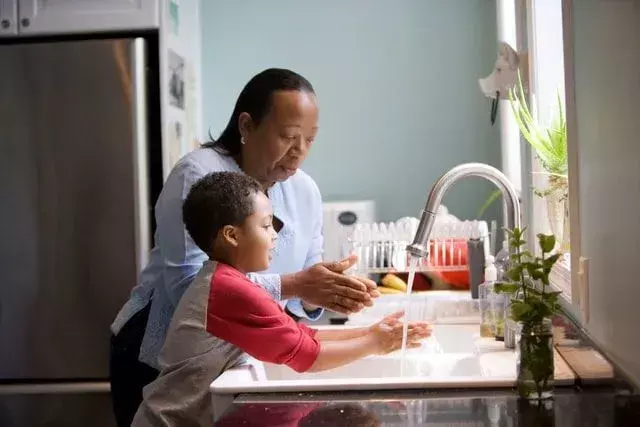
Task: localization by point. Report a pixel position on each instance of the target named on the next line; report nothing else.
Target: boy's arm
(246, 316)
(340, 347)
(341, 352)
(340, 334)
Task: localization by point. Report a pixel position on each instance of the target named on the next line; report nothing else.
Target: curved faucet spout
(419, 247)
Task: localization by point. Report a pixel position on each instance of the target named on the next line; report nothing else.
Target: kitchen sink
(454, 357)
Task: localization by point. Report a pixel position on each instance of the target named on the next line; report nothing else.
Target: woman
(271, 129)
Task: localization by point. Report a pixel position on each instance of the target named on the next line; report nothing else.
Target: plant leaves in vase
(532, 306)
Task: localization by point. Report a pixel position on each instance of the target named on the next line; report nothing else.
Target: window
(545, 34)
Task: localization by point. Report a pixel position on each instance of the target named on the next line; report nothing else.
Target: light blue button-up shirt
(175, 259)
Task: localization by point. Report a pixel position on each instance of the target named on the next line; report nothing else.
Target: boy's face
(256, 237)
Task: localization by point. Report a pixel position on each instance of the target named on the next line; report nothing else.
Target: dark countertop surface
(570, 407)
(601, 397)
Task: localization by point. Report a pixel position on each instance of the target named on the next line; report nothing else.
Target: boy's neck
(225, 258)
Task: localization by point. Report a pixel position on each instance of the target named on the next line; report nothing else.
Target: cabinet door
(43, 17)
(8, 18)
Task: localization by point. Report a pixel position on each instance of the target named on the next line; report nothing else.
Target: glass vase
(534, 355)
(557, 200)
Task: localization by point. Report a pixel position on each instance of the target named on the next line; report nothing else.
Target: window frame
(563, 277)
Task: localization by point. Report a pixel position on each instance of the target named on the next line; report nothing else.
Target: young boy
(224, 315)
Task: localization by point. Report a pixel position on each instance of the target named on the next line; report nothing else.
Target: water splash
(413, 265)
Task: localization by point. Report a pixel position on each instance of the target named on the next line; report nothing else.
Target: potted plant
(550, 145)
(532, 307)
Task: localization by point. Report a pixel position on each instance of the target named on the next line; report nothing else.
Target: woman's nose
(300, 147)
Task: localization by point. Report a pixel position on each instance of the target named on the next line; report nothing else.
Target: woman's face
(276, 148)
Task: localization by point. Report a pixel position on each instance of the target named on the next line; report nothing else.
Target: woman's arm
(298, 306)
(325, 285)
(182, 259)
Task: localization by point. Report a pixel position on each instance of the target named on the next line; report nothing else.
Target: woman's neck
(251, 172)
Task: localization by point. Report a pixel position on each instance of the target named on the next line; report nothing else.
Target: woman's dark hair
(216, 200)
(255, 99)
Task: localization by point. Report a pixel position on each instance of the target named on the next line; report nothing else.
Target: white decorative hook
(502, 78)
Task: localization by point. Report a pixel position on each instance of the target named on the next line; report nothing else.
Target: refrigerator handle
(141, 149)
(56, 388)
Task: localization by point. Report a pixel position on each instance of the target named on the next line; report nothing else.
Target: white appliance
(340, 218)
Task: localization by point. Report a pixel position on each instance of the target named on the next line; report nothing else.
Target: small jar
(486, 315)
(498, 303)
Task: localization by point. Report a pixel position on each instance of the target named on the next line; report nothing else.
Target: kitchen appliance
(339, 220)
(80, 166)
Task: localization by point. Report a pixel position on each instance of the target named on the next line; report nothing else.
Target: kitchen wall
(396, 82)
(181, 67)
(607, 89)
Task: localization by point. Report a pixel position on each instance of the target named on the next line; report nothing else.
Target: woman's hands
(387, 333)
(326, 285)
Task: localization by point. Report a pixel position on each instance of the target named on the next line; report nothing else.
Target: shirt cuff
(306, 353)
(309, 331)
(294, 305)
(269, 282)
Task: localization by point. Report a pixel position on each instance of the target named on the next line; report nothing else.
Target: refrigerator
(80, 168)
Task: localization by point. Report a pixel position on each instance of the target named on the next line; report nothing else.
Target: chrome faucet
(420, 245)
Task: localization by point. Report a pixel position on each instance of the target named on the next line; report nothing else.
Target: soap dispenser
(502, 261)
(485, 296)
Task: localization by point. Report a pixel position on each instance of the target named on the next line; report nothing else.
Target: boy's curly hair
(216, 200)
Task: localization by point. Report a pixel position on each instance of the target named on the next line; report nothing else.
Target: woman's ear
(230, 235)
(245, 125)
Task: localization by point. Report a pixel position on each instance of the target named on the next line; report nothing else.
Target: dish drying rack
(380, 246)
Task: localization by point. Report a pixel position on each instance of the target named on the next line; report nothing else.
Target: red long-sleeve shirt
(220, 317)
(245, 315)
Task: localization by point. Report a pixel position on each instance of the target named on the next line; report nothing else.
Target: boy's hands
(387, 334)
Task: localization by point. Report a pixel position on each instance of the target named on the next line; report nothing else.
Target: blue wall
(396, 82)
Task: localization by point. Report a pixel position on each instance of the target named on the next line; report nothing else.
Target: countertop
(570, 407)
(601, 397)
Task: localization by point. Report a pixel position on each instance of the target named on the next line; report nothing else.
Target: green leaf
(492, 198)
(546, 242)
(515, 273)
(527, 254)
(519, 310)
(506, 288)
(517, 233)
(550, 261)
(549, 142)
(537, 275)
(551, 297)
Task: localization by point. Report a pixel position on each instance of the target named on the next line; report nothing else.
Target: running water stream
(413, 265)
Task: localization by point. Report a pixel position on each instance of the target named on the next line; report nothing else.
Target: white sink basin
(454, 357)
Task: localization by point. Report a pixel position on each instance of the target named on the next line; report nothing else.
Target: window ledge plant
(549, 143)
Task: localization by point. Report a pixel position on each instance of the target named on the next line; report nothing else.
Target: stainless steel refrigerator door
(72, 405)
(74, 226)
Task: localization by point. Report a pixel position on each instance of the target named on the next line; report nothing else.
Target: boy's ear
(230, 235)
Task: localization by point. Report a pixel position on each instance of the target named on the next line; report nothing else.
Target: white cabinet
(58, 17)
(8, 18)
